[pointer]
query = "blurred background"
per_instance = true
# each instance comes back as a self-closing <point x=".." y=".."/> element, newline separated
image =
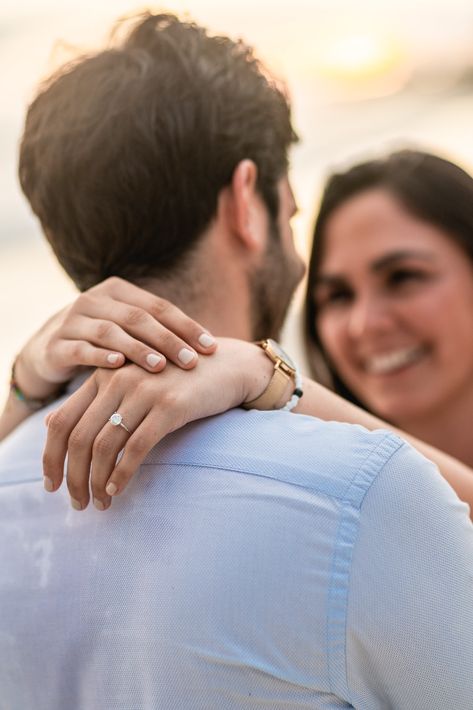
<point x="364" y="77"/>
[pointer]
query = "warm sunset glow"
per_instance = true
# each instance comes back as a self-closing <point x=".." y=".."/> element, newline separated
<point x="370" y="64"/>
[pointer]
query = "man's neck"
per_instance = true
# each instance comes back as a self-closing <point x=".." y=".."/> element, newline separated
<point x="219" y="305"/>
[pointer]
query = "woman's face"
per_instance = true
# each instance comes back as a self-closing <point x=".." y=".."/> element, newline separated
<point x="395" y="308"/>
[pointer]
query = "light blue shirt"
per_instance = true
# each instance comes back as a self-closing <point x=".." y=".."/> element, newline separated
<point x="257" y="560"/>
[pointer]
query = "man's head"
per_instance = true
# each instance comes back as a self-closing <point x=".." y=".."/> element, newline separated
<point x="125" y="153"/>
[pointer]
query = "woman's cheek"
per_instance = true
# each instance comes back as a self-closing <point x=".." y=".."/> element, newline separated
<point x="330" y="329"/>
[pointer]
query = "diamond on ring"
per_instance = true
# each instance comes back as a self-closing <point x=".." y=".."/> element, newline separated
<point x="117" y="420"/>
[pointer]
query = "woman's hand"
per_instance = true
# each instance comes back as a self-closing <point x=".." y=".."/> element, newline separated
<point x="106" y="325"/>
<point x="151" y="407"/>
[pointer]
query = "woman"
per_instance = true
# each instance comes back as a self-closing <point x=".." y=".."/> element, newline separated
<point x="389" y="309"/>
<point x="53" y="355"/>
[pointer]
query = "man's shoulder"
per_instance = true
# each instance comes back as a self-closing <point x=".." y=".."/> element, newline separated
<point x="335" y="458"/>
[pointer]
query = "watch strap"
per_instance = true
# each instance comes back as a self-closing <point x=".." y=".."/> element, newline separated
<point x="273" y="393"/>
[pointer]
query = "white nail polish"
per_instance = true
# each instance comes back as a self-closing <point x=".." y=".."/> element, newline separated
<point x="98" y="504"/>
<point x="75" y="504"/>
<point x="186" y="356"/>
<point x="111" y="488"/>
<point x="153" y="359"/>
<point x="112" y="358"/>
<point x="48" y="484"/>
<point x="206" y="340"/>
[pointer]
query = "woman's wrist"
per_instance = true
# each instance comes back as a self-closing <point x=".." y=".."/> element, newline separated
<point x="250" y="369"/>
<point x="255" y="371"/>
<point x="275" y="383"/>
<point x="28" y="383"/>
<point x="258" y="373"/>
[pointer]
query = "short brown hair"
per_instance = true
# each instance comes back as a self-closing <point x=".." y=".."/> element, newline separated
<point x="124" y="152"/>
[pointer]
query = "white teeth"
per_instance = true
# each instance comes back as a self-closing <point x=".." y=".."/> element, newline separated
<point x="382" y="364"/>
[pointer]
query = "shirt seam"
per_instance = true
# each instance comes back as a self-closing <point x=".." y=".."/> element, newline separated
<point x="234" y="469"/>
<point x="339" y="586"/>
<point x="246" y="471"/>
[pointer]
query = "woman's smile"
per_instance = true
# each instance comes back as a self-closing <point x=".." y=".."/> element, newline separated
<point x="394" y="360"/>
<point x="395" y="308"/>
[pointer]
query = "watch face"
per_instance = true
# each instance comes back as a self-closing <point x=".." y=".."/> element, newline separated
<point x="279" y="352"/>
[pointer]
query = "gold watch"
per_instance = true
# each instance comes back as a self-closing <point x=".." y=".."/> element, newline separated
<point x="284" y="373"/>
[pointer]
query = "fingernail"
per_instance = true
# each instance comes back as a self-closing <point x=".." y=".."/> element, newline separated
<point x="48" y="484"/>
<point x="112" y="358"/>
<point x="206" y="340"/>
<point x="98" y="504"/>
<point x="186" y="356"/>
<point x="111" y="489"/>
<point x="75" y="504"/>
<point x="153" y="359"/>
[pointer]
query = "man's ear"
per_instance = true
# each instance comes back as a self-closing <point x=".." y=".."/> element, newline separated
<point x="246" y="210"/>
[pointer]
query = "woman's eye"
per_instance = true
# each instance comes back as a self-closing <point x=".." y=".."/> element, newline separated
<point x="404" y="276"/>
<point x="334" y="298"/>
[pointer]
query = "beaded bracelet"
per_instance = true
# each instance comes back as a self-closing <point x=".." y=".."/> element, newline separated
<point x="296" y="395"/>
<point x="32" y="403"/>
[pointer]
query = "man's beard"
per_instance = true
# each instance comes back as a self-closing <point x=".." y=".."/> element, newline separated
<point x="272" y="287"/>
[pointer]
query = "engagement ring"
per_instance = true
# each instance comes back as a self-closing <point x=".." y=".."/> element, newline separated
<point x="117" y="420"/>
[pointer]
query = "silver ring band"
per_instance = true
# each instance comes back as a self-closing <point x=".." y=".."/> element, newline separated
<point x="117" y="420"/>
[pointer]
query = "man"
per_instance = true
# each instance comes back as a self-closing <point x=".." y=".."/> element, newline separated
<point x="258" y="559"/>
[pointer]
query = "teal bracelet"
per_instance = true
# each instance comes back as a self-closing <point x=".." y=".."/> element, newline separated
<point x="31" y="402"/>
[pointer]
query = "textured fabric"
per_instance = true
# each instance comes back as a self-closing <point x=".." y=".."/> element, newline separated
<point x="257" y="560"/>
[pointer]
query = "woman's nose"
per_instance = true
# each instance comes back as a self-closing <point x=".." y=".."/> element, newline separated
<point x="368" y="315"/>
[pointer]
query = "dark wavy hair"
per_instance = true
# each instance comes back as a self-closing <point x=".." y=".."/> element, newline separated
<point x="429" y="187"/>
<point x="124" y="152"/>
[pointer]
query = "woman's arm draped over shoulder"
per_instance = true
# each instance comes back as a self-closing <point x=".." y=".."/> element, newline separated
<point x="154" y="406"/>
<point x="116" y="321"/>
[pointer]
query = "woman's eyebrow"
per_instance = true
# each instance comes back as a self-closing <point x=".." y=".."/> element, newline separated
<point x="385" y="261"/>
<point x="393" y="257"/>
<point x="327" y="280"/>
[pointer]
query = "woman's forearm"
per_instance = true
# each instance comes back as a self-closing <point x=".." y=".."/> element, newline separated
<point x="14" y="412"/>
<point x="32" y="386"/>
<point x="320" y="402"/>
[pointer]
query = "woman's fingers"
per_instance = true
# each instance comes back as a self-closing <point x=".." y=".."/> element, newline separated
<point x="134" y="332"/>
<point x="104" y="301"/>
<point x="84" y="428"/>
<point x="109" y="339"/>
<point x="151" y="430"/>
<point x="60" y="424"/>
<point x="107" y="446"/>
<point x="172" y="318"/>
<point x="71" y="353"/>
<point x="101" y="432"/>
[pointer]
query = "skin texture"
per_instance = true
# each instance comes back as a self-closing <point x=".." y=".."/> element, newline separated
<point x="393" y="285"/>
